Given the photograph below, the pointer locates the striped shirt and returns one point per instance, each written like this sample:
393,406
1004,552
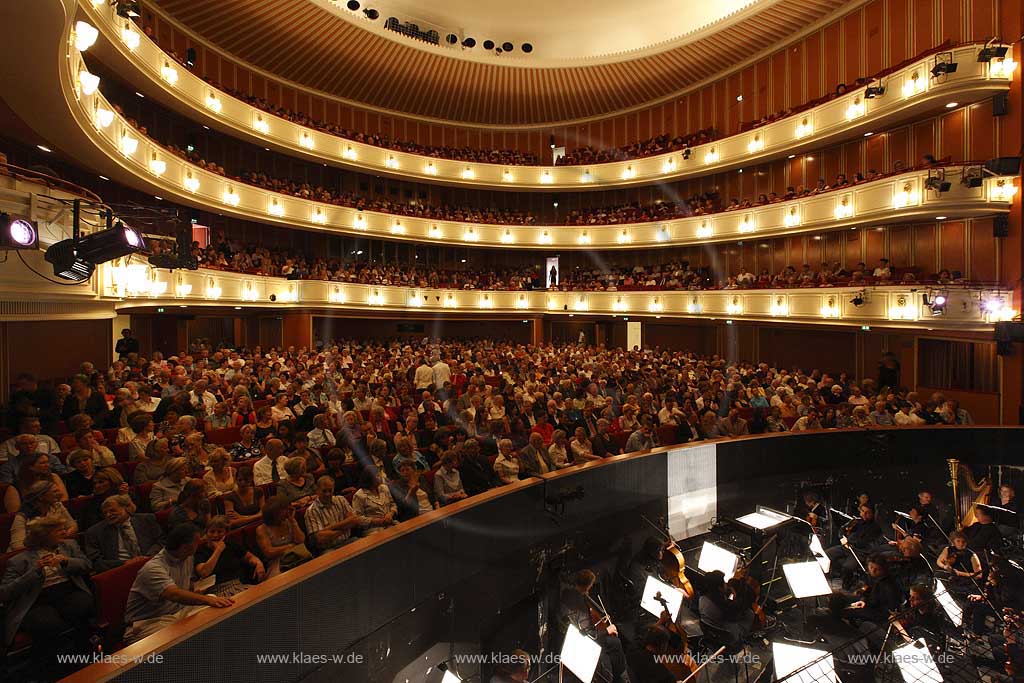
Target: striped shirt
321,515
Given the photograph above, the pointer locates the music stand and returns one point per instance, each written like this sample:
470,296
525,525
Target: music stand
819,554
713,557
449,677
916,663
949,605
580,654
808,664
670,594
806,581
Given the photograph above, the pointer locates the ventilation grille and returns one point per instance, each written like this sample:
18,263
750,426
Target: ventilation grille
31,310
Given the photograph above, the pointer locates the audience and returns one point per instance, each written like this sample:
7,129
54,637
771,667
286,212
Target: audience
122,535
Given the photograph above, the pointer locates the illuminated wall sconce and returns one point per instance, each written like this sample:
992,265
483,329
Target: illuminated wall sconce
905,196
85,35
1002,68
290,296
805,128
663,234
231,197
506,237
856,109
336,295
581,303
468,174
619,305
506,176
435,232
260,125
486,301
997,310
704,230
156,287
545,237
375,298
1003,190
780,306
213,290
104,116
157,166
130,36
213,103
449,300
552,303
693,305
430,169
128,144
87,82
625,237
415,300
275,208
756,144
306,140
360,222
190,183
844,208
747,225
169,74
629,173
470,235
546,178
349,153
391,162
792,217
583,239
586,177
249,291
182,289
830,309
522,302
711,156
734,307
914,85
318,216
903,308
397,228
656,306
669,165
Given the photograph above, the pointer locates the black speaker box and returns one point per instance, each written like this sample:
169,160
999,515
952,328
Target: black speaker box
1001,226
1001,104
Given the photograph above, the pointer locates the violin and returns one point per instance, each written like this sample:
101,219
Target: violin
682,665
746,591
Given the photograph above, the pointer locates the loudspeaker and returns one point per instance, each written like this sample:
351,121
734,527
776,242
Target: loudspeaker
1001,226
1001,104
1003,165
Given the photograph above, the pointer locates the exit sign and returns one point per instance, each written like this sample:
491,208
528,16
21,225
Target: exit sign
159,310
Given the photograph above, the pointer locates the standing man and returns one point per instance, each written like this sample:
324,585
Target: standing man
126,345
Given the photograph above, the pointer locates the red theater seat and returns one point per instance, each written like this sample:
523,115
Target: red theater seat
223,437
112,588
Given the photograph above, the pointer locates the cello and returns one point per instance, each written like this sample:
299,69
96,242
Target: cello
672,561
679,662
746,590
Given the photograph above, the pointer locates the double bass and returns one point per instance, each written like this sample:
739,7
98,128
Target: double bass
673,563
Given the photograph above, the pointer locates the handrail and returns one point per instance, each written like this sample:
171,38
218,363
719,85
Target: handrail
21,173
129,656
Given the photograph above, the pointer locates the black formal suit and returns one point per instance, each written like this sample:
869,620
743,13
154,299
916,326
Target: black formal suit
101,540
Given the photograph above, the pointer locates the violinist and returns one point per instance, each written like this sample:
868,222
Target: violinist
909,566
579,609
869,606
916,527
924,618
647,662
812,510
962,562
513,669
1003,590
721,609
863,536
645,563
983,537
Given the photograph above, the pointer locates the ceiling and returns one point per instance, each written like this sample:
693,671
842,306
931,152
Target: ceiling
320,46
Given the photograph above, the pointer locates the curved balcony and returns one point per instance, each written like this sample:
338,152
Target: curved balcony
909,93
135,284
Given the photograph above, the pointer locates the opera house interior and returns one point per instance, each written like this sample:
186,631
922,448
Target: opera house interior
591,342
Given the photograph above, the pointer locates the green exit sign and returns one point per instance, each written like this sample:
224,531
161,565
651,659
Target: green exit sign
159,310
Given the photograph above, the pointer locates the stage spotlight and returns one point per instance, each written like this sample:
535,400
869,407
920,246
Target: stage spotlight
990,52
371,14
73,261
938,183
18,233
527,48
488,44
469,43
972,177
128,9
873,91
67,265
944,65
686,153
936,303
858,300
451,39
353,5
507,46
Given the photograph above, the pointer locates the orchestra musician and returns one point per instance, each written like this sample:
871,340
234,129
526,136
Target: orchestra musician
513,669
909,566
917,526
983,537
962,562
924,618
1003,590
862,535
870,605
579,609
661,656
723,610
928,506
1008,523
812,509
645,563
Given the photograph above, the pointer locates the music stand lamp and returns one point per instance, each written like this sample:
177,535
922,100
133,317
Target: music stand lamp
808,664
580,655
806,581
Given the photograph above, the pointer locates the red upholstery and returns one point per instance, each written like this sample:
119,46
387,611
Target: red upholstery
223,437
620,440
142,496
110,435
667,434
75,506
6,520
163,516
790,421
127,469
428,481
112,588
249,537
349,493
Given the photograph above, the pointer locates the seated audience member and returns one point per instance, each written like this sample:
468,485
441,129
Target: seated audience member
734,425
270,468
534,459
192,506
410,498
158,454
122,535
298,487
220,418
162,592
475,469
84,399
881,416
101,455
506,465
314,463
243,505
42,499
281,541
33,427
105,483
79,480
320,435
167,488
330,520
808,423
34,467
447,481
558,450
220,478
29,454
373,502
642,439
233,565
601,442
247,447
775,423
46,589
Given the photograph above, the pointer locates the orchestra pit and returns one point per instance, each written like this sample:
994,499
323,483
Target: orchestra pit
383,341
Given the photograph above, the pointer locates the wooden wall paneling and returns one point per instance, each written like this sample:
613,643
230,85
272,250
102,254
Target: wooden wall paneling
952,246
874,41
853,46
874,152
900,237
897,13
982,24
923,141
834,252
815,250
833,56
874,246
779,82
812,68
797,253
853,248
924,25
951,14
983,263
925,241
758,89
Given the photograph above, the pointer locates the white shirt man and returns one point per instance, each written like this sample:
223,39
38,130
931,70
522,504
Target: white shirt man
263,469
442,373
424,376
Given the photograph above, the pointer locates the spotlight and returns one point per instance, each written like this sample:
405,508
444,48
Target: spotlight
352,5
18,233
858,300
128,9
937,303
990,52
938,182
451,39
67,265
73,261
873,91
507,46
371,14
527,48
469,43
972,177
551,141
944,65
686,153
488,44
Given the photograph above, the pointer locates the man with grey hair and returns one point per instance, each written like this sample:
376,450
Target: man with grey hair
506,465
26,447
330,519
122,535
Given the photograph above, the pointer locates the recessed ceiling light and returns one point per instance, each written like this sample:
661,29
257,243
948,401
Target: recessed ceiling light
182,306
952,105
868,134
206,128
159,199
463,260
739,98
266,149
103,177
940,218
791,156
44,148
809,158
140,94
740,171
238,308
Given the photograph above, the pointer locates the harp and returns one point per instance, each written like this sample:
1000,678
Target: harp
966,492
